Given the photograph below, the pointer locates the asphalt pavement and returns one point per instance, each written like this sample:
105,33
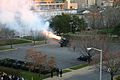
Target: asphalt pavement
65,57
86,73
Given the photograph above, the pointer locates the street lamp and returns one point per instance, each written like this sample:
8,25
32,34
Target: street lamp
100,78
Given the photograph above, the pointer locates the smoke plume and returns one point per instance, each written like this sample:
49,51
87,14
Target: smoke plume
17,15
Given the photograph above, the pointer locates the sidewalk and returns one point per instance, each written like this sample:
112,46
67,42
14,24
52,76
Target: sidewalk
72,73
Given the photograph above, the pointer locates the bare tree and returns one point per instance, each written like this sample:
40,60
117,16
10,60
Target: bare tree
112,62
52,62
111,58
82,41
8,35
111,16
94,17
103,17
37,58
33,35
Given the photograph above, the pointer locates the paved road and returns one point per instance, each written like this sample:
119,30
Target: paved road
87,73
65,57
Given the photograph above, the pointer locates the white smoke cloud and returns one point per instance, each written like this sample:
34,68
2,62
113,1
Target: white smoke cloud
16,15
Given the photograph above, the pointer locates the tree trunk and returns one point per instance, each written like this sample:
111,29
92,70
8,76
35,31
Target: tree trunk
40,71
89,57
34,42
11,43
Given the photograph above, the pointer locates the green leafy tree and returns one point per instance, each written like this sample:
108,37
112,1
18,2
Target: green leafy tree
60,23
77,24
67,23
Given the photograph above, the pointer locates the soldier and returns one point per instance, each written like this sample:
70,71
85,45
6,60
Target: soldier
57,70
51,73
61,73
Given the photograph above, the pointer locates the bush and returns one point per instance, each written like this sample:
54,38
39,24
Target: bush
29,75
10,71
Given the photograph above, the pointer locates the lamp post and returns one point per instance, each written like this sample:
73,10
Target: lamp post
100,77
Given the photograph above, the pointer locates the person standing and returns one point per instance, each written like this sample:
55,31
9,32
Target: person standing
57,70
61,73
51,73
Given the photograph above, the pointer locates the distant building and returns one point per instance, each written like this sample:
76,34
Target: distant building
50,7
84,3
81,3
100,3
104,3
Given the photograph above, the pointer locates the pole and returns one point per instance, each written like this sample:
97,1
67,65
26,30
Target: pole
101,65
101,55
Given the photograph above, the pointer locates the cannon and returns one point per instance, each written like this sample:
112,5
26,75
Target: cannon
63,42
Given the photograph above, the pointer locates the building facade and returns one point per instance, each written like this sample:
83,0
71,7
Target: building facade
51,7
101,3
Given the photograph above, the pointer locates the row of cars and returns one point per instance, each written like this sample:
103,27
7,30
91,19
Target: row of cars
17,64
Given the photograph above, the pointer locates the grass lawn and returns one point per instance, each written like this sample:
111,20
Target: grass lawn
35,76
31,76
66,70
117,78
79,66
26,74
4,48
14,41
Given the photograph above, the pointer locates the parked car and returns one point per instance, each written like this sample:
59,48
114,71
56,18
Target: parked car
83,58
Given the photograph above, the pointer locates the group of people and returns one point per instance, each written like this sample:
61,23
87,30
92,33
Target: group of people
58,71
4,76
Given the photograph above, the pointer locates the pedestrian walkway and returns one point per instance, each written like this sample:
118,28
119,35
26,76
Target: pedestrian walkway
73,72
